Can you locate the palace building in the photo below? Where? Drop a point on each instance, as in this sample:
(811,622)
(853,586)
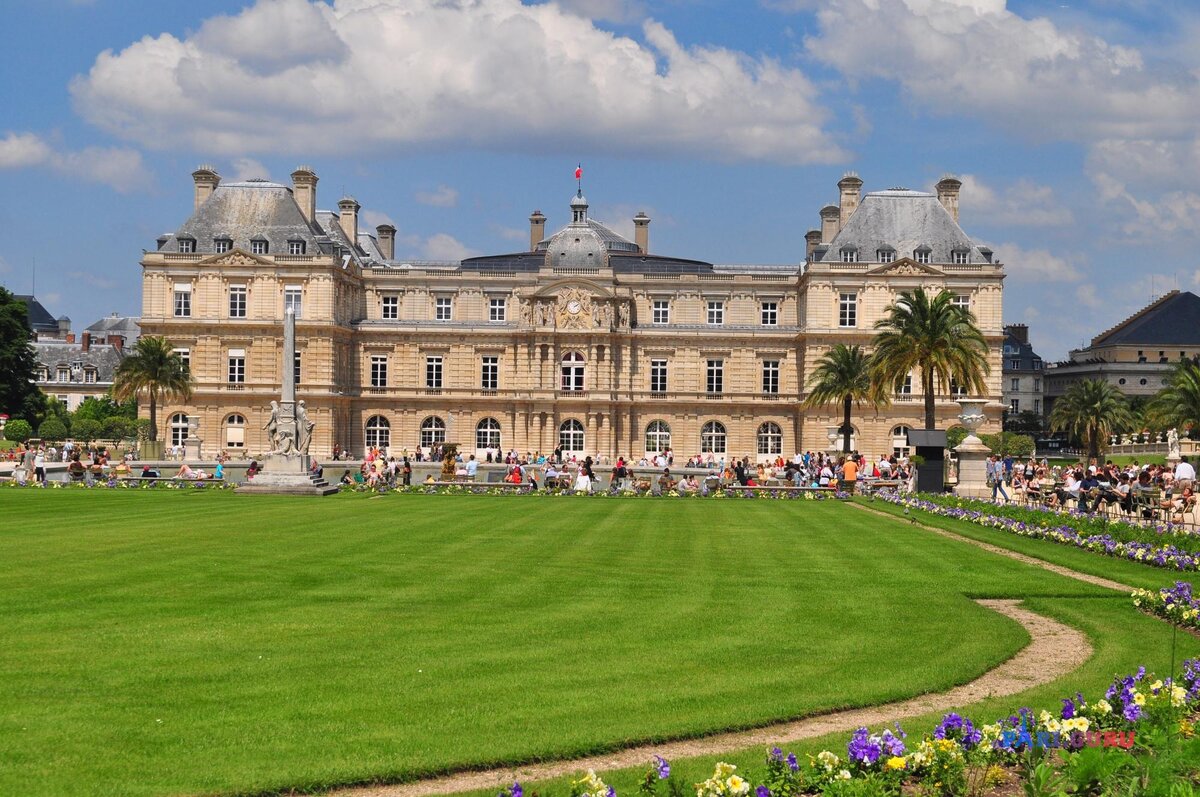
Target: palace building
(586,340)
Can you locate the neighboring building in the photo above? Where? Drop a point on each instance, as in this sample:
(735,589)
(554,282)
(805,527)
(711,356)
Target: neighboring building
(116,329)
(1023,374)
(1138,354)
(586,340)
(72,371)
(40,320)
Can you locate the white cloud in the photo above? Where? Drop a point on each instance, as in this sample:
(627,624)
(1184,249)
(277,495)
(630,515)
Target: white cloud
(1086,295)
(1024,203)
(442,246)
(511,233)
(1036,264)
(245,168)
(306,77)
(620,11)
(1172,212)
(374,218)
(120,168)
(439,246)
(442,197)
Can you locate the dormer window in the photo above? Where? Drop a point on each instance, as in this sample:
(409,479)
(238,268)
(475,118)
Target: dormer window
(63,373)
(222,245)
(295,247)
(922,254)
(89,375)
(960,257)
(187,246)
(885,255)
(849,255)
(258,246)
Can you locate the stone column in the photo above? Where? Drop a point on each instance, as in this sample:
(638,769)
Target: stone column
(972,453)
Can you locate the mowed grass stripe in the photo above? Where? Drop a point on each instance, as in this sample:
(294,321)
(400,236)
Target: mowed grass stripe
(209,642)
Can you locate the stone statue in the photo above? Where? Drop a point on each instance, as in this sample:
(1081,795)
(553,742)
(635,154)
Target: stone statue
(304,428)
(527,312)
(623,314)
(272,426)
(540,314)
(1172,444)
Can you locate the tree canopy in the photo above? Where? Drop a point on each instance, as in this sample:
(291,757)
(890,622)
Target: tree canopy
(19,395)
(153,370)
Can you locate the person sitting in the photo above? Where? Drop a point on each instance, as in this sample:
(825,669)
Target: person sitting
(664,483)
(1068,492)
(76,470)
(346,478)
(689,484)
(121,468)
(219,474)
(253,470)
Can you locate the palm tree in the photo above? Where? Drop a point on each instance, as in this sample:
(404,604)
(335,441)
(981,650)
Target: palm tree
(1091,410)
(937,338)
(1178,404)
(154,370)
(843,374)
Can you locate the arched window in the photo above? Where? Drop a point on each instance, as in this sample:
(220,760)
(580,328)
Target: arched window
(179,428)
(712,438)
(572,371)
(433,431)
(770,439)
(487,434)
(379,432)
(235,431)
(900,441)
(658,437)
(570,436)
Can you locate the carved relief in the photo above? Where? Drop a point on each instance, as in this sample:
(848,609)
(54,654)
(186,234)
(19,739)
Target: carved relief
(573,310)
(236,258)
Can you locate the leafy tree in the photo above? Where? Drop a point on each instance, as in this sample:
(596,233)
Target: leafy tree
(52,429)
(1090,410)
(86,430)
(935,337)
(98,408)
(843,374)
(19,396)
(1025,422)
(1017,445)
(1178,404)
(18,431)
(119,428)
(153,371)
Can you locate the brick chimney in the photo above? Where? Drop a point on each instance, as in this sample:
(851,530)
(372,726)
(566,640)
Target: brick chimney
(831,223)
(86,340)
(348,218)
(641,231)
(537,229)
(812,239)
(1018,331)
(386,234)
(304,191)
(70,337)
(947,193)
(850,188)
(206,180)
(116,341)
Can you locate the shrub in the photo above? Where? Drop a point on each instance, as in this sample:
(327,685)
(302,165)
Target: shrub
(117,427)
(52,429)
(18,431)
(86,429)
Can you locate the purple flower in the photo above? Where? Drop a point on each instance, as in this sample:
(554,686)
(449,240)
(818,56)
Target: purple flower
(762,791)
(663,766)
(611,792)
(1068,708)
(792,763)
(517,791)
(775,754)
(1133,712)
(862,749)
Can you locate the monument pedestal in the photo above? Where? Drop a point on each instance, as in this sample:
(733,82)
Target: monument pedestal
(287,474)
(973,457)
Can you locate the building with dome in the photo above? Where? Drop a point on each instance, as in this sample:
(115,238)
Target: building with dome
(584,341)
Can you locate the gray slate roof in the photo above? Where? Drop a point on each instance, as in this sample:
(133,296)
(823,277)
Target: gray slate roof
(126,326)
(39,317)
(249,210)
(1173,320)
(102,357)
(901,220)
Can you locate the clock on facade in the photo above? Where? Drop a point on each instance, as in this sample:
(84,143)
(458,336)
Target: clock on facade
(573,307)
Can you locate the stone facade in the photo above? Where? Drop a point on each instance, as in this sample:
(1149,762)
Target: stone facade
(587,340)
(1024,373)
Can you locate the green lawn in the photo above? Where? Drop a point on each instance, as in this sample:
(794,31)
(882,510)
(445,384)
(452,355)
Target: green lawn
(193,642)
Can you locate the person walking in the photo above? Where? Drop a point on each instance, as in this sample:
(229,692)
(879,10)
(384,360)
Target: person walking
(995,475)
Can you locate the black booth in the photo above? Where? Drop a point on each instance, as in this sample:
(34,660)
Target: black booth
(929,444)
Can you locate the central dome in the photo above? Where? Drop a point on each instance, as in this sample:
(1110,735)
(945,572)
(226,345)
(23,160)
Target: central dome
(583,243)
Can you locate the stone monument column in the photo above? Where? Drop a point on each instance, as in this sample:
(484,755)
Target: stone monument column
(972,453)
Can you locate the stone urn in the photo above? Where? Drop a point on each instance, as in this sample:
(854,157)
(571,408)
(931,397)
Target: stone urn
(972,417)
(834,434)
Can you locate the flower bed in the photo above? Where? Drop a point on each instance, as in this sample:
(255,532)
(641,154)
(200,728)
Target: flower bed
(467,488)
(1122,540)
(163,483)
(1137,739)
(1173,604)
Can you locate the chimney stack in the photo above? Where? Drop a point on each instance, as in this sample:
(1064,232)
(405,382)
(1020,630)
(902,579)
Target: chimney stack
(831,223)
(64,326)
(537,229)
(348,218)
(641,232)
(850,187)
(811,240)
(70,337)
(386,234)
(1018,331)
(116,341)
(304,190)
(947,193)
(86,340)
(206,180)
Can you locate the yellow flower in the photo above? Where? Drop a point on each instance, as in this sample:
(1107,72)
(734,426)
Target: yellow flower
(828,760)
(723,770)
(1154,687)
(1103,706)
(1187,729)
(737,785)
(895,762)
(844,775)
(945,745)
(1139,698)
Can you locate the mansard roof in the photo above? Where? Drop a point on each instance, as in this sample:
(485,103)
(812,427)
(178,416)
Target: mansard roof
(901,221)
(1173,320)
(246,211)
(39,317)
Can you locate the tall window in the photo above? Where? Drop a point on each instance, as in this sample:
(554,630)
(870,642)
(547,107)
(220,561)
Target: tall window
(295,247)
(658,376)
(433,372)
(433,431)
(716,312)
(379,432)
(222,245)
(183,300)
(715,376)
(391,308)
(570,436)
(1014,406)
(64,373)
(89,375)
(237,301)
(497,309)
(660,311)
(1037,406)
(379,370)
(572,371)
(292,297)
(712,438)
(962,300)
(490,376)
(487,433)
(443,307)
(770,376)
(179,428)
(658,436)
(237,366)
(770,314)
(956,389)
(848,310)
(235,431)
(187,246)
(185,357)
(900,441)
(770,439)
(904,386)
(1037,383)
(296,367)
(258,247)
(1016,383)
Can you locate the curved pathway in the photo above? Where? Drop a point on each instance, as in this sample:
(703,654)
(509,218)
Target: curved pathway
(1054,650)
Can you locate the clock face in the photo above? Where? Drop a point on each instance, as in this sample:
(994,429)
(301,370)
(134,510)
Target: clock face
(573,307)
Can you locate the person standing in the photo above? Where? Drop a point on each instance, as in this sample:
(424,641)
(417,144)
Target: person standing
(1185,474)
(849,475)
(995,475)
(39,467)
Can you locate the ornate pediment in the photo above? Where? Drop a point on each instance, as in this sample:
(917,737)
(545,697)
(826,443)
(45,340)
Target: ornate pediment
(905,267)
(235,257)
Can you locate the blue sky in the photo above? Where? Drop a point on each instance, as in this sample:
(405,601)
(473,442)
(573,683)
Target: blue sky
(1072,124)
